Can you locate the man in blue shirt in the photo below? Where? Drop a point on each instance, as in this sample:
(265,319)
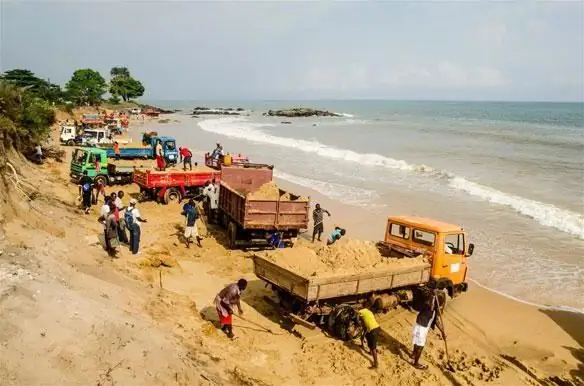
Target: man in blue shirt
(191,215)
(335,235)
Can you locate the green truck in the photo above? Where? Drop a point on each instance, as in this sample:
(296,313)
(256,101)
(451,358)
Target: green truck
(110,172)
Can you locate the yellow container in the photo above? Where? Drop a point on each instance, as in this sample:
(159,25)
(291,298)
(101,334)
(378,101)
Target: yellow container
(227,160)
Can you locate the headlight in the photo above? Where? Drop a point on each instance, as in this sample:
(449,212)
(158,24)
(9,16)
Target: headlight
(171,156)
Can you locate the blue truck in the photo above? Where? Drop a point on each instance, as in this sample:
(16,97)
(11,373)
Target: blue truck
(147,149)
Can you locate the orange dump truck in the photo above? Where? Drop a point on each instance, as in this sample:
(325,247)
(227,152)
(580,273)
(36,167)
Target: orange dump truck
(438,253)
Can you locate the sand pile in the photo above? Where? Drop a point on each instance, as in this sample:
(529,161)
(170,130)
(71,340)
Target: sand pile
(346,256)
(271,191)
(268,191)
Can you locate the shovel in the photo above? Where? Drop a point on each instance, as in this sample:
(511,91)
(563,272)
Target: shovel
(448,364)
(258,325)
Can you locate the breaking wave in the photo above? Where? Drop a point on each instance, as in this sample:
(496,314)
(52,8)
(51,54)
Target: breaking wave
(349,194)
(546,214)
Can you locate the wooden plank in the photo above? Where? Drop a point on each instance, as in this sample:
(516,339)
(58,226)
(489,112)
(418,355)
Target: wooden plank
(298,320)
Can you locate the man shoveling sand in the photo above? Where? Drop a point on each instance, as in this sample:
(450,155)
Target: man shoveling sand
(225,300)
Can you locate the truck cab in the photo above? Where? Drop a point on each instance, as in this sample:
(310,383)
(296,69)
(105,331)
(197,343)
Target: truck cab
(94,137)
(68,134)
(445,245)
(85,159)
(168,147)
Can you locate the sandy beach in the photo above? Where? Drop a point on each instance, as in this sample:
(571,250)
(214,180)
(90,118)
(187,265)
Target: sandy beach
(74,315)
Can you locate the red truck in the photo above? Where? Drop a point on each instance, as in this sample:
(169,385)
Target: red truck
(173,185)
(248,217)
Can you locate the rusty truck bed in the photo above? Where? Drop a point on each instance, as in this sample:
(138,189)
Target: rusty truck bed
(334,286)
(288,212)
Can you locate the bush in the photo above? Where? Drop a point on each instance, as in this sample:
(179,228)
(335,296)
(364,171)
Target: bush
(25,119)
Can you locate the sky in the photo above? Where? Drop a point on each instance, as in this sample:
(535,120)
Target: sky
(431,50)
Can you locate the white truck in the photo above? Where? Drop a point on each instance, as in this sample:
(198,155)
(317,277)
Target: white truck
(68,135)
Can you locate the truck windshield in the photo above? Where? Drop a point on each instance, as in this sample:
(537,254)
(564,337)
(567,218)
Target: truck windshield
(170,145)
(79,156)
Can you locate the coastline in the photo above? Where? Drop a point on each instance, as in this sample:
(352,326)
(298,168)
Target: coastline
(552,332)
(167,291)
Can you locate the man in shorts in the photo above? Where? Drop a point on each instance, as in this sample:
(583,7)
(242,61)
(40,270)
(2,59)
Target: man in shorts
(427,319)
(317,219)
(190,212)
(370,332)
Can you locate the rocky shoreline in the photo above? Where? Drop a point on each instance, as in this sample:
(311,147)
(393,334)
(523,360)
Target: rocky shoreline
(217,111)
(301,112)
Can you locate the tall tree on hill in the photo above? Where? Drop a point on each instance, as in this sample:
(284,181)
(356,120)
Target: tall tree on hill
(86,87)
(122,84)
(29,82)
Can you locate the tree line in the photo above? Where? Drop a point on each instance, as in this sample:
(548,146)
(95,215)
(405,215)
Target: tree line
(86,87)
(27,102)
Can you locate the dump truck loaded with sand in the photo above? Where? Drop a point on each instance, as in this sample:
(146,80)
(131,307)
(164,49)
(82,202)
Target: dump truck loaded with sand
(251,205)
(325,286)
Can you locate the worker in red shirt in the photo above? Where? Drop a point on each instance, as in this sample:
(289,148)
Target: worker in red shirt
(186,155)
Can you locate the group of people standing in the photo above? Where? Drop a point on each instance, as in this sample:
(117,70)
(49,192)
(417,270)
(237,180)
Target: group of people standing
(114,215)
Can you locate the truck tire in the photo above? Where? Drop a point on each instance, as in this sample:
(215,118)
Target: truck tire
(70,142)
(172,195)
(104,180)
(344,322)
(232,235)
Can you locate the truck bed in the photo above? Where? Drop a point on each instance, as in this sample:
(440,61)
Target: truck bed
(175,177)
(266,214)
(334,286)
(128,166)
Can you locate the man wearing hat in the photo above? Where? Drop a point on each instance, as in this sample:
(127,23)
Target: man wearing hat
(133,218)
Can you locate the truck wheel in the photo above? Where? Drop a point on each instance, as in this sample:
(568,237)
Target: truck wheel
(344,322)
(70,142)
(102,179)
(172,195)
(232,235)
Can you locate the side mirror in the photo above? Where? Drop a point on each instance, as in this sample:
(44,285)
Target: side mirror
(470,249)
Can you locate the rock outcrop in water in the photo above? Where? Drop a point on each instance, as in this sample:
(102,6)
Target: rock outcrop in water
(301,112)
(217,111)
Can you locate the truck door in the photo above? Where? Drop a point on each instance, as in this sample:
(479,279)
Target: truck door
(455,257)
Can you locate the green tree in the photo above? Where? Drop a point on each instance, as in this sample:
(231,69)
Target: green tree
(119,71)
(122,84)
(86,87)
(25,119)
(27,80)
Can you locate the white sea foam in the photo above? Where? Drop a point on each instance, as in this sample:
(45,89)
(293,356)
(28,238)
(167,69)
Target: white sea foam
(346,115)
(349,194)
(546,214)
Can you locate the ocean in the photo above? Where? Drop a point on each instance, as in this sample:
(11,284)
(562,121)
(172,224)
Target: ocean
(511,174)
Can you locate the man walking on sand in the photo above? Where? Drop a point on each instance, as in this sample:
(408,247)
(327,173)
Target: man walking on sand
(85,191)
(225,300)
(425,320)
(190,212)
(318,219)
(370,332)
(133,218)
